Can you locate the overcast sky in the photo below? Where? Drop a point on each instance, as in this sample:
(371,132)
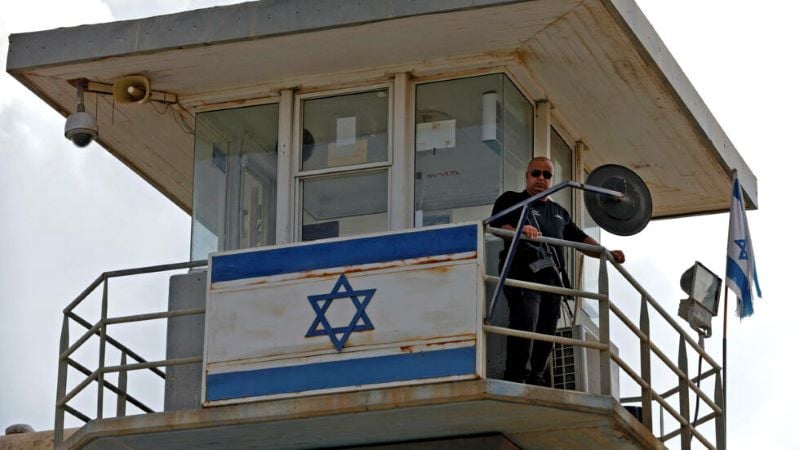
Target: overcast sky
(68,214)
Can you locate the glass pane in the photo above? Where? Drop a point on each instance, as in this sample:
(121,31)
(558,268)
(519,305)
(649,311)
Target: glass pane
(518,133)
(345,130)
(234,193)
(591,266)
(473,141)
(561,155)
(345,205)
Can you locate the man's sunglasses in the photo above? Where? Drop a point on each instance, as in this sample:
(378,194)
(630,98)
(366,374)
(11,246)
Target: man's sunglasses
(536,173)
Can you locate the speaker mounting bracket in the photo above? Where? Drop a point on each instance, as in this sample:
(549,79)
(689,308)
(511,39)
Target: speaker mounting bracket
(97,87)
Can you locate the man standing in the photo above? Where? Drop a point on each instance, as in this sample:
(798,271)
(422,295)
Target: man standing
(531,310)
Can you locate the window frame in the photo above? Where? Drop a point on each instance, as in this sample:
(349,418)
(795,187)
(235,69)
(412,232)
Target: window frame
(401,90)
(299,176)
(264,101)
(501,69)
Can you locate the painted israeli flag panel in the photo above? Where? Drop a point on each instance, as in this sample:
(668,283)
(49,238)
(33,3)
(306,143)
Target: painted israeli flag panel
(343,314)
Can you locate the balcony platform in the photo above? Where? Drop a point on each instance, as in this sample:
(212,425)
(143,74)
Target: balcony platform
(529,417)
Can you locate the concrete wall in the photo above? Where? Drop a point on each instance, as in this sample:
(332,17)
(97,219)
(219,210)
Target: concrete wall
(185,337)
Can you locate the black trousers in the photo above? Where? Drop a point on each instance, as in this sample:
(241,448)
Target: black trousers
(530,311)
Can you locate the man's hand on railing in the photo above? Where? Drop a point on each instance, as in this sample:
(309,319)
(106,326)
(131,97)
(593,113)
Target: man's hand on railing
(528,230)
(618,255)
(531,231)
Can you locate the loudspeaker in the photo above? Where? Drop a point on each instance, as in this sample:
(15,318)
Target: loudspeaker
(132,89)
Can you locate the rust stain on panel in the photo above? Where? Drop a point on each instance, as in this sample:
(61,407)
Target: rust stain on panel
(313,274)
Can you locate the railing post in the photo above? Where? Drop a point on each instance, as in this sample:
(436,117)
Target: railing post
(102,357)
(605,338)
(644,356)
(683,393)
(512,249)
(122,385)
(61,388)
(719,420)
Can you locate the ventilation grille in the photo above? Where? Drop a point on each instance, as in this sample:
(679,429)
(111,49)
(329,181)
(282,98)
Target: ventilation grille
(564,363)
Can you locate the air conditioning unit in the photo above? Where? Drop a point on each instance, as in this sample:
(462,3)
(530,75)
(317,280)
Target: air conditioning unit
(576,368)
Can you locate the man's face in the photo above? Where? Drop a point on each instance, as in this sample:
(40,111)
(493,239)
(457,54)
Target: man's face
(542,181)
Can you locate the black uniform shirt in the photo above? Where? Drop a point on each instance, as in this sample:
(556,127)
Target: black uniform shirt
(553,221)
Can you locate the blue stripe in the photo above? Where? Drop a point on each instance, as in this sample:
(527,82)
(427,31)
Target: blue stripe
(351,372)
(735,273)
(376,249)
(755,280)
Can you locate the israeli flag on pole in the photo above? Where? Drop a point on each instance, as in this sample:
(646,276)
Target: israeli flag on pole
(741,266)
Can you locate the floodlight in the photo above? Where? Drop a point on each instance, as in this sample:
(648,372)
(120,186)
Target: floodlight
(703,287)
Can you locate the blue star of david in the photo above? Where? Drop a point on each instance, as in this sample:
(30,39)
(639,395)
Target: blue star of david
(321,303)
(742,244)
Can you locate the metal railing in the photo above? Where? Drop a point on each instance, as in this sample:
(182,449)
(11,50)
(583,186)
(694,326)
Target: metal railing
(100,330)
(687,429)
(685,386)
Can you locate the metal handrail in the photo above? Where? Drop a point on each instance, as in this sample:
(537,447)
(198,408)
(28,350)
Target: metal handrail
(543,337)
(687,429)
(100,329)
(124,349)
(694,344)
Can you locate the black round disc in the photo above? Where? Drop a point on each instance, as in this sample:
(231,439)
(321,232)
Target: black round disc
(626,216)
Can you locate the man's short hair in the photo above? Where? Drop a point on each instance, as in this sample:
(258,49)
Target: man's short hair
(540,158)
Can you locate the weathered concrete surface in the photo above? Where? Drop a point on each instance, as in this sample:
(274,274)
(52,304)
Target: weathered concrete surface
(244,21)
(530,417)
(185,339)
(492,442)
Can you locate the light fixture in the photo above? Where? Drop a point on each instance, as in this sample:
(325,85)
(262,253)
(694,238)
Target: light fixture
(81,128)
(703,287)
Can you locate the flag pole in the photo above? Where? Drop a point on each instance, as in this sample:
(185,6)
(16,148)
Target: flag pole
(725,366)
(725,341)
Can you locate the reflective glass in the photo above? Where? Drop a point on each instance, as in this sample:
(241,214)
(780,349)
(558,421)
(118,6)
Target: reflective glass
(591,266)
(345,130)
(344,205)
(473,142)
(234,191)
(561,155)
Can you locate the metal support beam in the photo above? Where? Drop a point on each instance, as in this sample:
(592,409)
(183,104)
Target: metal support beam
(644,355)
(122,384)
(512,249)
(61,389)
(101,363)
(605,338)
(683,383)
(80,368)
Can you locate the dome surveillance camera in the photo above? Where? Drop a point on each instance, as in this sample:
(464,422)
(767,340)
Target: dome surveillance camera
(81,128)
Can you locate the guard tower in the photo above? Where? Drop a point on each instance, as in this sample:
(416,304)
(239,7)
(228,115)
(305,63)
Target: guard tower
(337,159)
